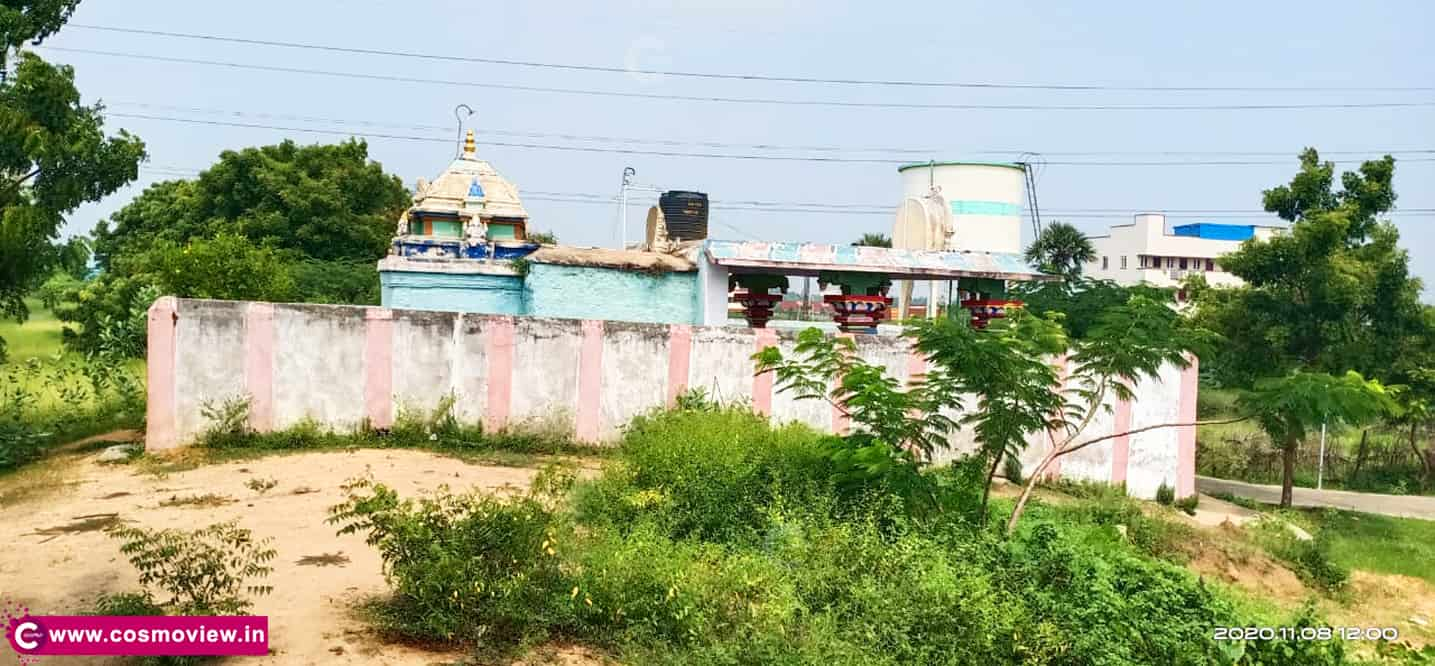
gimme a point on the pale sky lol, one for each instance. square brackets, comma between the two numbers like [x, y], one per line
[1210, 44]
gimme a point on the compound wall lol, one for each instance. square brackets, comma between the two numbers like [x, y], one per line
[343, 366]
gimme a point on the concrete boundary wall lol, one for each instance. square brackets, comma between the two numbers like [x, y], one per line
[342, 366]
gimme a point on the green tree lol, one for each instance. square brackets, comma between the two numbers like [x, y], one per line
[1288, 407]
[1003, 379]
[873, 240]
[1060, 249]
[227, 266]
[1331, 295]
[54, 156]
[325, 201]
[1128, 343]
[32, 21]
[1080, 301]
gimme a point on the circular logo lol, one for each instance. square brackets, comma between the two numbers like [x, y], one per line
[25, 634]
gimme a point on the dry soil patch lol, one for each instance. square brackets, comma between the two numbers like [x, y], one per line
[58, 558]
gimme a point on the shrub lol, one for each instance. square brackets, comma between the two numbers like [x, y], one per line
[695, 399]
[142, 604]
[711, 475]
[464, 567]
[109, 315]
[205, 571]
[127, 603]
[1011, 469]
[712, 537]
[1189, 503]
[1165, 495]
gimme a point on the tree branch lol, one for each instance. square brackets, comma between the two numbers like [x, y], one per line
[15, 184]
[1103, 438]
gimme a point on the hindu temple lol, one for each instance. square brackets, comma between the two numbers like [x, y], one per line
[463, 245]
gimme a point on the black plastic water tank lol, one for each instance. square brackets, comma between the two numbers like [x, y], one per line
[686, 214]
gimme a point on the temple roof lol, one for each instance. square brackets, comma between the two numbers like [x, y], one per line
[470, 186]
[813, 258]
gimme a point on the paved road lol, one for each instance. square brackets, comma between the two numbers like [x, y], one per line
[1406, 506]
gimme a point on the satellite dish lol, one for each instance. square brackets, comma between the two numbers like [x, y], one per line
[921, 224]
[909, 228]
[939, 222]
[657, 230]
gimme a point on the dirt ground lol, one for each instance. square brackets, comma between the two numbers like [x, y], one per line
[58, 559]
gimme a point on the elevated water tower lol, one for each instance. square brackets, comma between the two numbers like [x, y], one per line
[984, 199]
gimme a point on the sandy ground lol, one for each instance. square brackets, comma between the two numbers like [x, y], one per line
[58, 559]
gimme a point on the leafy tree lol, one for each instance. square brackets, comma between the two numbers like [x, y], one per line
[1080, 301]
[32, 21]
[1332, 294]
[1288, 407]
[54, 156]
[1128, 343]
[895, 428]
[225, 267]
[1006, 368]
[873, 240]
[1061, 249]
[281, 222]
[327, 202]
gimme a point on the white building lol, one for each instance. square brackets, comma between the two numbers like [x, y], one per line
[1144, 251]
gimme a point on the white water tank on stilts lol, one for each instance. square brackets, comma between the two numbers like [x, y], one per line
[985, 200]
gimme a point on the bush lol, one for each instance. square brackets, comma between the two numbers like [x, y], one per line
[713, 538]
[1165, 495]
[464, 567]
[109, 315]
[1011, 469]
[710, 475]
[1189, 503]
[205, 572]
[142, 604]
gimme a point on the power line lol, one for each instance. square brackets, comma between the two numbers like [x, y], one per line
[1083, 87]
[862, 209]
[760, 100]
[667, 153]
[719, 144]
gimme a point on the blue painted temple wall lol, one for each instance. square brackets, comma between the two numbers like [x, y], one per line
[583, 292]
[550, 290]
[488, 294]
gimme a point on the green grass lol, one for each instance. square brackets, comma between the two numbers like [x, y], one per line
[38, 337]
[1379, 544]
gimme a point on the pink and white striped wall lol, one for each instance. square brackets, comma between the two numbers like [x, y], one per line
[343, 366]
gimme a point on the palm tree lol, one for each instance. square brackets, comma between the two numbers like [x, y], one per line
[1061, 249]
[874, 240]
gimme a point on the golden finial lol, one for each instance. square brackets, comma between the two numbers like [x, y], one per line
[468, 147]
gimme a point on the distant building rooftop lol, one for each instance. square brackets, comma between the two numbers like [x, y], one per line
[1212, 231]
